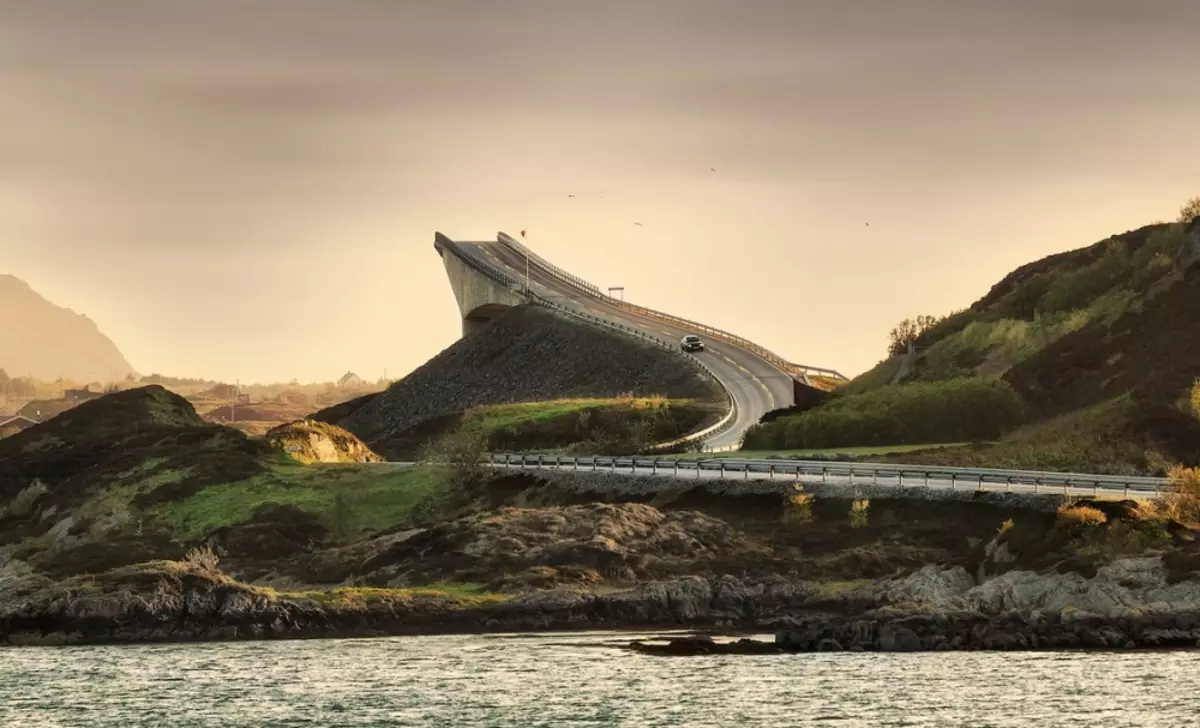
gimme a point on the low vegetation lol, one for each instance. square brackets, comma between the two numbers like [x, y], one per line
[1071, 515]
[951, 411]
[350, 501]
[1100, 344]
[1182, 501]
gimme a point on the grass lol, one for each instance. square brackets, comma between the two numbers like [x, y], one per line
[1038, 305]
[1088, 440]
[373, 498]
[464, 594]
[496, 417]
[955, 410]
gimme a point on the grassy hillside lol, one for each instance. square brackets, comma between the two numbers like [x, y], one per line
[1106, 337]
[613, 425]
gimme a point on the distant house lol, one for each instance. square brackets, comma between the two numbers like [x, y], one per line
[79, 396]
[10, 426]
[224, 392]
[350, 379]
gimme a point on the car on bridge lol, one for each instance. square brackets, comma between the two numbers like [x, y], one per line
[691, 342]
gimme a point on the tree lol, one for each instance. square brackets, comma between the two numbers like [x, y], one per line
[907, 332]
[1190, 211]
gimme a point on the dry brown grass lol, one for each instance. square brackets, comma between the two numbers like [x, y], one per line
[1182, 501]
[1072, 515]
[798, 507]
[1195, 398]
[204, 559]
[859, 510]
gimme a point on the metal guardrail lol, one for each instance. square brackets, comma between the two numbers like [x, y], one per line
[487, 269]
[801, 370]
[516, 245]
[871, 473]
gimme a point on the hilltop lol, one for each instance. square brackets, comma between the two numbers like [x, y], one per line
[528, 354]
[1095, 351]
[40, 339]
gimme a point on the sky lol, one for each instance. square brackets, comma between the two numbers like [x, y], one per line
[249, 189]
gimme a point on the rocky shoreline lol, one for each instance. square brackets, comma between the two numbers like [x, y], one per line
[1126, 605]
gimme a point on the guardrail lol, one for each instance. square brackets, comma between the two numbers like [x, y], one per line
[487, 269]
[872, 473]
[772, 358]
[519, 247]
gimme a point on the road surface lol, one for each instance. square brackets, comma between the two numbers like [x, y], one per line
[757, 386]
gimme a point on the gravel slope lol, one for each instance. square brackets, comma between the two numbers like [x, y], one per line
[527, 355]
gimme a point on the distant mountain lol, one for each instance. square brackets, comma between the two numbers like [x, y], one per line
[40, 339]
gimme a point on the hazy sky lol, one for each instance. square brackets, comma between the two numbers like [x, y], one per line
[249, 188]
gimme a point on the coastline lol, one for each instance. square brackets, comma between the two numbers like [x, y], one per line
[931, 610]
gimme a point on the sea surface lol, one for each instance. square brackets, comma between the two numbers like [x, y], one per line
[583, 680]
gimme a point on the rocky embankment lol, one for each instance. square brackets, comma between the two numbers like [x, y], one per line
[1129, 604]
[526, 355]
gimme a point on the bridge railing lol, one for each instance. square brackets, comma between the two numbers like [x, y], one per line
[485, 268]
[799, 370]
[575, 281]
[865, 473]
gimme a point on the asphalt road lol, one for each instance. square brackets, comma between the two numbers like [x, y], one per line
[756, 385]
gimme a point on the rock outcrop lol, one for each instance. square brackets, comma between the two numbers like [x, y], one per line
[310, 441]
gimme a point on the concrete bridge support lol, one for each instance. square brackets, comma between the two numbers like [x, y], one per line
[480, 298]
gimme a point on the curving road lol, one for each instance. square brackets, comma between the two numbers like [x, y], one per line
[757, 387]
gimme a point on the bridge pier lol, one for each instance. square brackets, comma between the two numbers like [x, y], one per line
[480, 298]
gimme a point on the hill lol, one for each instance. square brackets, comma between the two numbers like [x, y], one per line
[48, 342]
[527, 355]
[1101, 345]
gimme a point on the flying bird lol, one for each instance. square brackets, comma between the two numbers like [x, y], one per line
[867, 224]
[570, 195]
[712, 169]
[638, 224]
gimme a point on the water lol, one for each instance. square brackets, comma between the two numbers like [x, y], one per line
[580, 680]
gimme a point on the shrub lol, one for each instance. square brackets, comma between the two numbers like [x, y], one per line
[1190, 210]
[1004, 528]
[1072, 515]
[1196, 398]
[957, 410]
[22, 505]
[907, 332]
[858, 512]
[1182, 501]
[203, 558]
[797, 508]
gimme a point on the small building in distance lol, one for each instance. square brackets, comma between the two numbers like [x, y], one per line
[11, 425]
[350, 379]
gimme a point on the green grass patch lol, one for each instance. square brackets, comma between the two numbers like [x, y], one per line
[351, 500]
[1090, 440]
[959, 410]
[496, 417]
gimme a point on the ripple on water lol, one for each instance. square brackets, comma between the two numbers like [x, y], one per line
[574, 680]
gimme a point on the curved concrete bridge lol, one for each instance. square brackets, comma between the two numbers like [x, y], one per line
[491, 276]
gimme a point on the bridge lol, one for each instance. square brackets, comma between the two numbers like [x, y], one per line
[491, 276]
